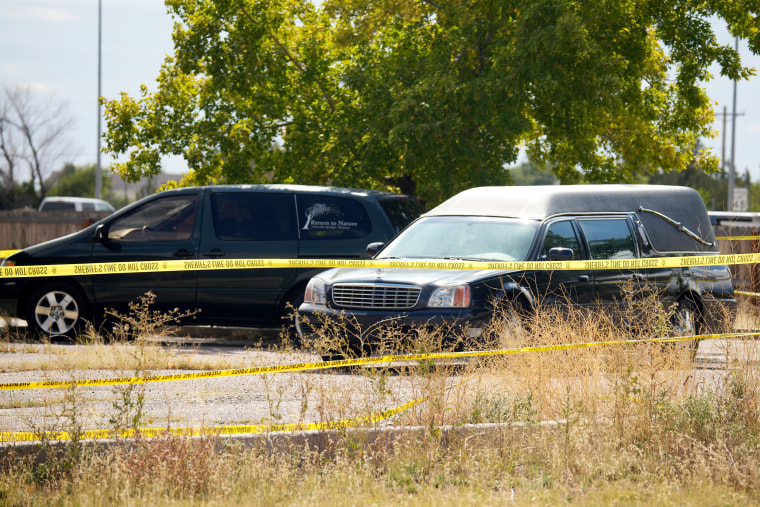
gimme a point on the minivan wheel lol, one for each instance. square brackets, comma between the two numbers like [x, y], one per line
[685, 322]
[288, 315]
[57, 309]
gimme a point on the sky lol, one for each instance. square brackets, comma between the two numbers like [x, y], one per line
[52, 47]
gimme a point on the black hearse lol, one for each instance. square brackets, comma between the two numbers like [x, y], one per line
[583, 222]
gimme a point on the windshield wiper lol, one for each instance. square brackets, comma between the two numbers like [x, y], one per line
[678, 226]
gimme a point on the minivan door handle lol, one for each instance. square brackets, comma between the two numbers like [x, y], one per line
[584, 278]
[214, 253]
[183, 252]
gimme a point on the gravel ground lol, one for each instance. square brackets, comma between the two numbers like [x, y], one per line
[276, 398]
[281, 398]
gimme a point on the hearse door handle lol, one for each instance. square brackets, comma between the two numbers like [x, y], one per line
[584, 278]
[214, 253]
[183, 252]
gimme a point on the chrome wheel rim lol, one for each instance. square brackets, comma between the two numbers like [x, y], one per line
[56, 313]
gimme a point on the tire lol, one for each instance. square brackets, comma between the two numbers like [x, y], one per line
[686, 322]
[287, 314]
[510, 323]
[57, 309]
[352, 350]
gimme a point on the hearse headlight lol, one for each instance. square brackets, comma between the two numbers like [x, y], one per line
[450, 296]
[316, 293]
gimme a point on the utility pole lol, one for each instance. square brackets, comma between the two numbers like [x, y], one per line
[732, 185]
[98, 175]
[732, 167]
[732, 173]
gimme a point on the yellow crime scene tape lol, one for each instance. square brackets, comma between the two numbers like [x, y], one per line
[362, 361]
[737, 238]
[745, 293]
[112, 268]
[8, 253]
[26, 436]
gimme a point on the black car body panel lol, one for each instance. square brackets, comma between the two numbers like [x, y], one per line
[597, 222]
[215, 222]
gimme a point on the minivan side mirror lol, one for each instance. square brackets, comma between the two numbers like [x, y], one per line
[101, 234]
[373, 248]
[559, 253]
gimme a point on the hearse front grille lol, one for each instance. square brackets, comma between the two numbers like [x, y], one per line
[374, 296]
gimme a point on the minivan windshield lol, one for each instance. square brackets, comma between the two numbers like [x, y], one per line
[464, 237]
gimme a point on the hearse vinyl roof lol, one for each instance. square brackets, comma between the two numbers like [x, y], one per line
[682, 204]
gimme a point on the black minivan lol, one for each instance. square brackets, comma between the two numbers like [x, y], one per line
[596, 223]
[214, 222]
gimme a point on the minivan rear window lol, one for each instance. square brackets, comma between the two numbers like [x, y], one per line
[253, 216]
[327, 217]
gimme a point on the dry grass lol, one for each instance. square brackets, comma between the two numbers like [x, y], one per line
[630, 425]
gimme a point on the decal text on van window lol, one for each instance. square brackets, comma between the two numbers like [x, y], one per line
[318, 210]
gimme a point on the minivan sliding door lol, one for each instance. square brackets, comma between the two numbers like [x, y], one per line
[242, 225]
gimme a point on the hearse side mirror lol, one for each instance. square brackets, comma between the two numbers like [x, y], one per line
[559, 253]
[373, 248]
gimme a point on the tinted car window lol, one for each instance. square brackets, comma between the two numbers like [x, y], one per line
[560, 234]
[482, 238]
[401, 212]
[253, 216]
[609, 239]
[58, 206]
[325, 217]
[167, 219]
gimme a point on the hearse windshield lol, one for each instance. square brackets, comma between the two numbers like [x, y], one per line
[464, 237]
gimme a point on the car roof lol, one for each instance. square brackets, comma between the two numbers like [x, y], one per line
[682, 204]
[305, 189]
[71, 199]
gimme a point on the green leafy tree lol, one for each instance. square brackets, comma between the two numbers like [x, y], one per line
[429, 96]
[528, 174]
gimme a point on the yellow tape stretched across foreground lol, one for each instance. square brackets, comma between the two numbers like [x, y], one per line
[362, 361]
[27, 436]
[115, 268]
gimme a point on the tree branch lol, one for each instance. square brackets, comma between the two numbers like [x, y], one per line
[295, 61]
[430, 2]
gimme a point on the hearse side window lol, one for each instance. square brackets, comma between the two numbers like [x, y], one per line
[325, 217]
[609, 238]
[560, 234]
[167, 219]
[253, 216]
